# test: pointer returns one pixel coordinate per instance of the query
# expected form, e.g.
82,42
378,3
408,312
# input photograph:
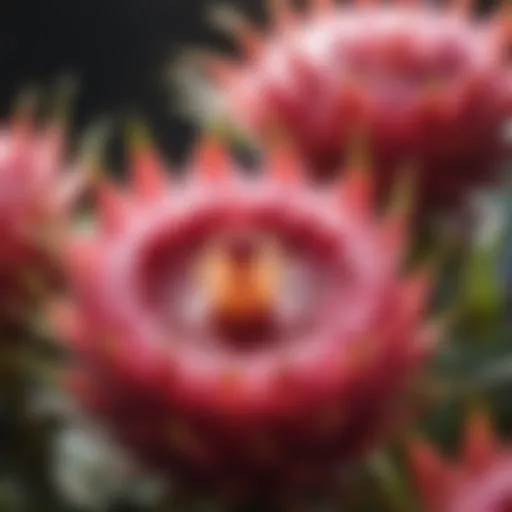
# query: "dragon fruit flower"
241,332
427,83
481,482
35,202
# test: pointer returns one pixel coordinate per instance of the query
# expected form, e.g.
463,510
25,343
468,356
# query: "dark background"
119,49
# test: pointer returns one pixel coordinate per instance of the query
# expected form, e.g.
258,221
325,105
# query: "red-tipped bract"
480,482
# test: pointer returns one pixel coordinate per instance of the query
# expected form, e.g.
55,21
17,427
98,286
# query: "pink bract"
278,408
431,84
480,482
36,197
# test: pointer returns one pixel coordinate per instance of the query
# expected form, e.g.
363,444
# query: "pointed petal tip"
431,474
357,191
138,133
113,207
78,251
91,155
479,413
234,23
65,96
284,162
426,460
212,159
418,289
479,444
279,142
71,189
147,170
219,129
420,452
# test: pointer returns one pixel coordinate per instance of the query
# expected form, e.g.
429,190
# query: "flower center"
241,278
256,282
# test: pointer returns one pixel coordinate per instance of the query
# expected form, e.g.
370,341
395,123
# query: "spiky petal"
147,169
481,482
36,197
